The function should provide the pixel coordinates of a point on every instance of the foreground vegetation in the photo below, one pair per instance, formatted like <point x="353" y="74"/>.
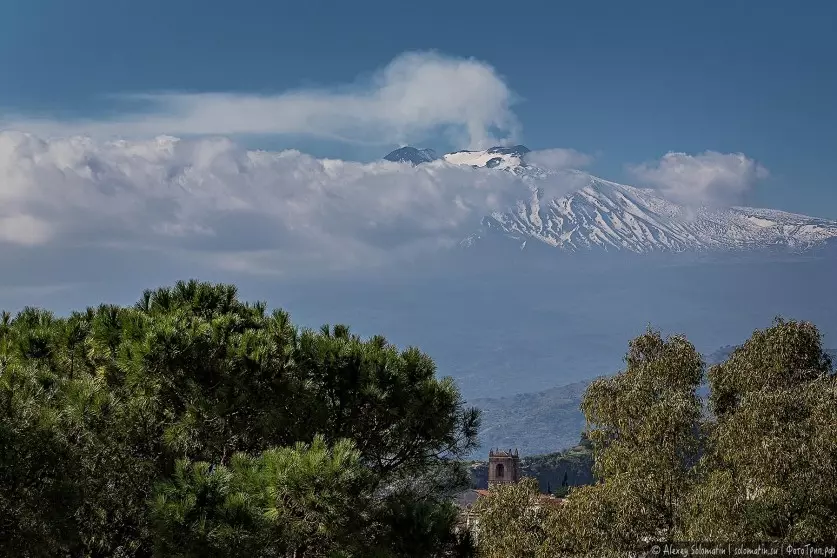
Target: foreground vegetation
<point x="193" y="424"/>
<point x="759" y="464"/>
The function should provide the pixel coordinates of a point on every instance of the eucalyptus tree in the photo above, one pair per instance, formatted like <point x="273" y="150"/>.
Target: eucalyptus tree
<point x="643" y="424"/>
<point x="771" y="469"/>
<point x="513" y="521"/>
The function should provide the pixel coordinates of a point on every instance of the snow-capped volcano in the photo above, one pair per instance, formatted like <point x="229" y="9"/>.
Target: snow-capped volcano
<point x="610" y="216"/>
<point x="600" y="214"/>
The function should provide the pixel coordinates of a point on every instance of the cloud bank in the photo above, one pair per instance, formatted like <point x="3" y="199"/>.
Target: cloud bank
<point x="240" y="210"/>
<point x="416" y="95"/>
<point x="709" y="178"/>
<point x="212" y="201"/>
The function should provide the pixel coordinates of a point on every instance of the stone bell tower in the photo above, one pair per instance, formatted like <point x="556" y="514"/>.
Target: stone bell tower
<point x="503" y="467"/>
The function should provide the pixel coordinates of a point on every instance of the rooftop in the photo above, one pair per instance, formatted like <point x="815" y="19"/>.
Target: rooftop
<point x="502" y="453"/>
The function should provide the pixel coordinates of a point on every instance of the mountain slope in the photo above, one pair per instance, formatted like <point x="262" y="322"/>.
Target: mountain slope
<point x="605" y="215"/>
<point x="411" y="155"/>
<point x="612" y="217"/>
<point x="597" y="214"/>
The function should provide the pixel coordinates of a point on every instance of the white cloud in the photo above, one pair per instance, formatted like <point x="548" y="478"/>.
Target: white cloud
<point x="24" y="230"/>
<point x="416" y="95"/>
<point x="559" y="158"/>
<point x="709" y="178"/>
<point x="209" y="200"/>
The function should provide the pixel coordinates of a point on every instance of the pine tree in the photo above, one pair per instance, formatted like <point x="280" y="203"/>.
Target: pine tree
<point x="190" y="399"/>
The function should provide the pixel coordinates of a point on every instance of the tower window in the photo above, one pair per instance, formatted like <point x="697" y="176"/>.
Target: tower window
<point x="501" y="470"/>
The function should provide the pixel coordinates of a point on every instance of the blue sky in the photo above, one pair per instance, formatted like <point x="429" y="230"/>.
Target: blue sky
<point x="627" y="81"/>
<point x="617" y="85"/>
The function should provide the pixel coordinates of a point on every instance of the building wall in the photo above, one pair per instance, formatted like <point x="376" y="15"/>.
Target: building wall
<point x="510" y="468"/>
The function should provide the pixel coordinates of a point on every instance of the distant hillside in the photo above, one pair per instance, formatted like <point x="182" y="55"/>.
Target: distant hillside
<point x="535" y="423"/>
<point x="576" y="463"/>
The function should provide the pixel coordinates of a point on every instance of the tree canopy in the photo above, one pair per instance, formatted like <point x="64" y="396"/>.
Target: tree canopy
<point x="642" y="423"/>
<point x="756" y="462"/>
<point x="196" y="424"/>
<point x="770" y="472"/>
<point x="513" y="521"/>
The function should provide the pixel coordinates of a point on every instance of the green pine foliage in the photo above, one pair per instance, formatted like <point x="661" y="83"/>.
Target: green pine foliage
<point x="195" y="424"/>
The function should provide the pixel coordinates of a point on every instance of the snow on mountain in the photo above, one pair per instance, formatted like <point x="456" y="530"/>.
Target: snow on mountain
<point x="605" y="215"/>
<point x="503" y="158"/>
<point x="411" y="155"/>
<point x="610" y="216"/>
